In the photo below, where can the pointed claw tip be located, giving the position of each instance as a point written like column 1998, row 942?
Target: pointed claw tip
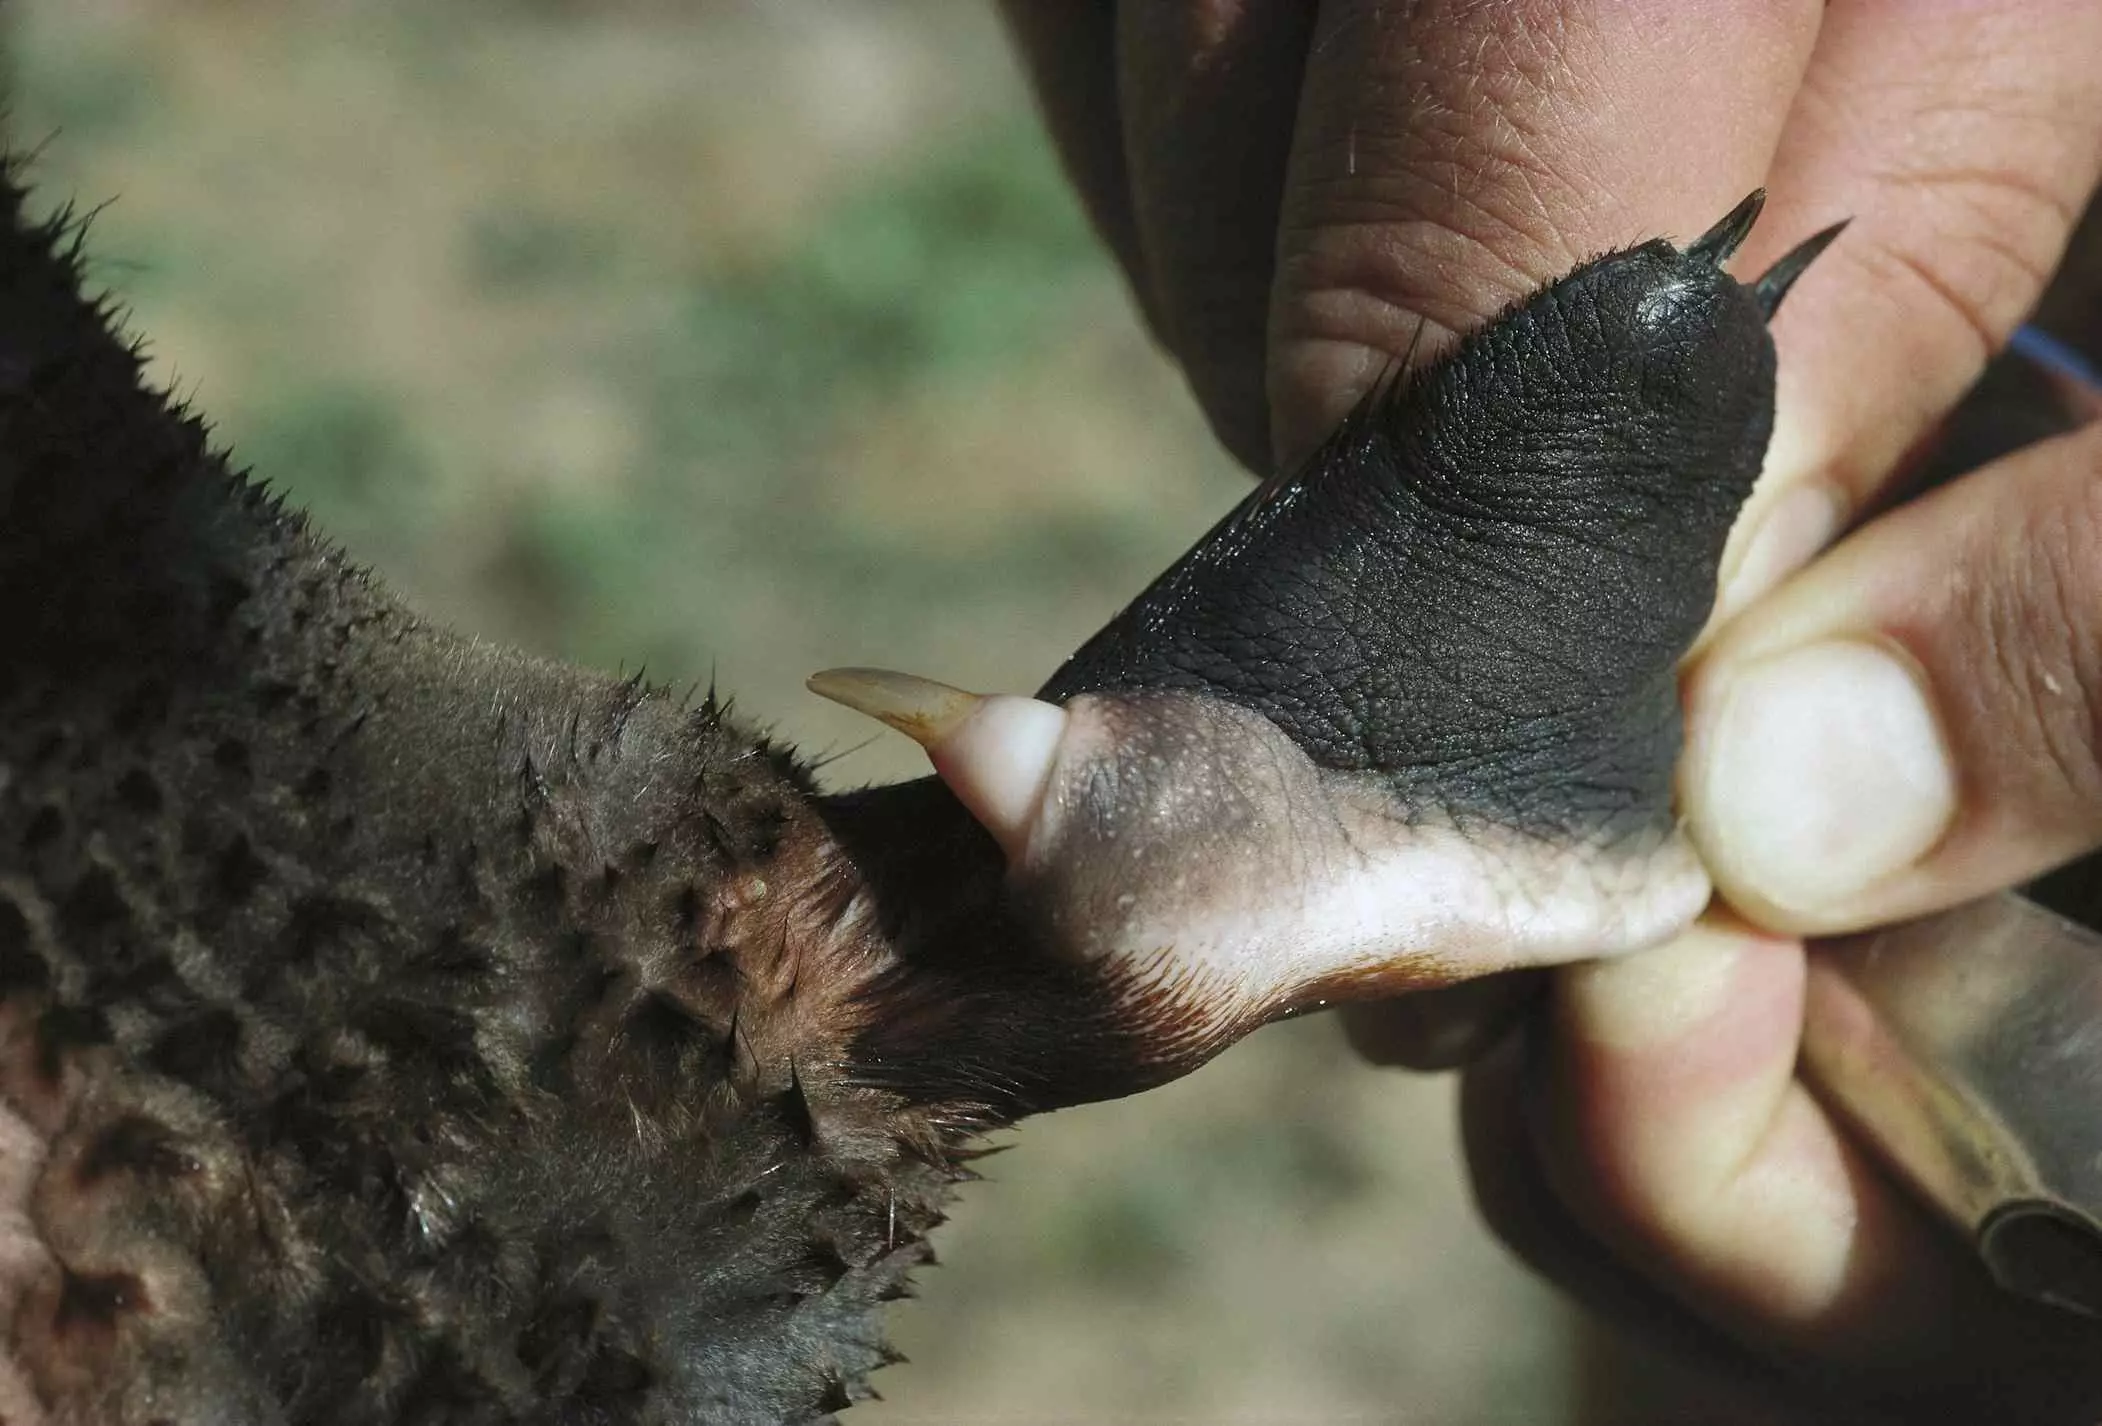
column 1773, row 284
column 921, row 708
column 1715, row 246
column 995, row 751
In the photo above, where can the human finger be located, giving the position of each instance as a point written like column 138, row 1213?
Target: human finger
column 1450, row 159
column 1672, row 1126
column 1964, row 140
column 1440, row 1028
column 1916, row 719
column 1068, row 50
column 1209, row 93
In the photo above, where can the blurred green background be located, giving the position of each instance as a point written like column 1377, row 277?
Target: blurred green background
column 743, row 340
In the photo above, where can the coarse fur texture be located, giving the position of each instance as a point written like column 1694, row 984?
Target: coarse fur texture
column 413, row 1031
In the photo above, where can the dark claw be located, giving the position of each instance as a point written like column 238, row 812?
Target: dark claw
column 1774, row 283
column 1715, row 246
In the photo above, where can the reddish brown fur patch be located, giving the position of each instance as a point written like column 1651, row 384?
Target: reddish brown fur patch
column 133, row 1144
column 23, row 1258
column 96, row 1301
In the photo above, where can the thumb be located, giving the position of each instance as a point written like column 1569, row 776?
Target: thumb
column 1916, row 719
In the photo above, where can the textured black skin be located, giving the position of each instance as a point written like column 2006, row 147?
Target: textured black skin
column 1479, row 590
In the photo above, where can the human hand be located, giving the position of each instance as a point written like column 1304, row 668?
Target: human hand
column 1734, row 1179
column 1302, row 198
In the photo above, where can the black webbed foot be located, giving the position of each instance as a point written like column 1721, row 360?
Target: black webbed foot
column 1408, row 714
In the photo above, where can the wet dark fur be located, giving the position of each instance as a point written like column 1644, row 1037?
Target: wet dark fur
column 422, row 1032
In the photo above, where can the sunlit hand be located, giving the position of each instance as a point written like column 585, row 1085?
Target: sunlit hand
column 1302, row 195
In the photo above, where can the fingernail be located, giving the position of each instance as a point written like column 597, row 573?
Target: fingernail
column 1819, row 772
column 1788, row 534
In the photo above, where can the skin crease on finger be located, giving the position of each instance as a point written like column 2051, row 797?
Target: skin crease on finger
column 1444, row 165
column 1964, row 138
column 1715, row 1101
column 1669, row 1121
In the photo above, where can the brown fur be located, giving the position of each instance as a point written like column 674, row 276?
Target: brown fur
column 415, row 1031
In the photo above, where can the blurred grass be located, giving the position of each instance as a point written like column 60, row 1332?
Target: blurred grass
column 742, row 340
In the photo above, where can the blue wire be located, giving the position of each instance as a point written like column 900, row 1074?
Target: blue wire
column 2039, row 346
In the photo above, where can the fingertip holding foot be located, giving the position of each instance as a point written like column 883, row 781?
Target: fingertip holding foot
column 1657, row 997
column 994, row 751
column 1673, row 1059
column 1815, row 775
column 1778, row 536
column 1670, row 1116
